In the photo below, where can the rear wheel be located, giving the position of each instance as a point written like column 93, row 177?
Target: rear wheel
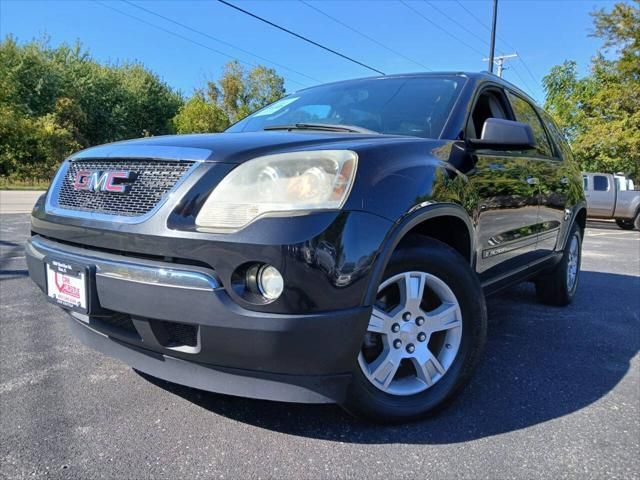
column 626, row 224
column 424, row 337
column 559, row 286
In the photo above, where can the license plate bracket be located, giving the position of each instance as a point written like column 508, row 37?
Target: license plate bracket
column 68, row 284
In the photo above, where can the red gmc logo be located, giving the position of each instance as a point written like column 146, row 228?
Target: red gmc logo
column 114, row 181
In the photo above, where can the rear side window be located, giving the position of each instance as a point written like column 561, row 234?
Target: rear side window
column 557, row 136
column 525, row 113
column 600, row 183
column 585, row 182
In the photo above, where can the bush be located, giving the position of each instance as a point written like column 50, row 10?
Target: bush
column 54, row 101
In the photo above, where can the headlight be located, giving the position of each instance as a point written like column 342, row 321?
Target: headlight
column 275, row 184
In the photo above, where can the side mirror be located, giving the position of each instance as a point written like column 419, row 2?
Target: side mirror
column 500, row 134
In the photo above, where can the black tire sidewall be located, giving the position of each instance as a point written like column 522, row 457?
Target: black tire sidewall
column 551, row 287
column 445, row 263
column 627, row 224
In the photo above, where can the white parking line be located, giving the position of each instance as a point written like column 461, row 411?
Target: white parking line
column 598, row 231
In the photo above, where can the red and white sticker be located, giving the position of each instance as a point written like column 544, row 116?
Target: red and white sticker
column 65, row 286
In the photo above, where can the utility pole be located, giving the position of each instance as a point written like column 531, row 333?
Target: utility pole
column 499, row 61
column 492, row 47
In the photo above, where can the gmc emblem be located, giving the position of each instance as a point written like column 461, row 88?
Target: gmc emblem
column 114, row 181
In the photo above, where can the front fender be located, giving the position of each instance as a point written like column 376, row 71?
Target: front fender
column 395, row 179
column 418, row 215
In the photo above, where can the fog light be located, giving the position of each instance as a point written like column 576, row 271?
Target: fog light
column 270, row 282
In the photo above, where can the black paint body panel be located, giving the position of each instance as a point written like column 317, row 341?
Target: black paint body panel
column 332, row 261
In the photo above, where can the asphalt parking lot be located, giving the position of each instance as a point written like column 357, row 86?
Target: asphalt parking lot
column 557, row 395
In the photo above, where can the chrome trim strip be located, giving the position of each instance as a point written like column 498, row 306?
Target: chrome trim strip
column 155, row 152
column 51, row 204
column 162, row 276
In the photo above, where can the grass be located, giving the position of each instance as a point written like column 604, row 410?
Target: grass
column 31, row 184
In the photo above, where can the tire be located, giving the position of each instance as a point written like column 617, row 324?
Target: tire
column 456, row 336
column 558, row 287
column 626, row 224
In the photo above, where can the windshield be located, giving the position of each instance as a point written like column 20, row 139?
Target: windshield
column 417, row 106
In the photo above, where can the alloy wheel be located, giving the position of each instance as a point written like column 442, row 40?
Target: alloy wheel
column 413, row 335
column 573, row 263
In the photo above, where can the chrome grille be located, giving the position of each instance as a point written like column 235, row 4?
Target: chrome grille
column 154, row 180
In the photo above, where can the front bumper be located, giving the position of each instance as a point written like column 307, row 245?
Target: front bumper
column 176, row 322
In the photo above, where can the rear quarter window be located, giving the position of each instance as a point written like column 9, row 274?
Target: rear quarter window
column 557, row 136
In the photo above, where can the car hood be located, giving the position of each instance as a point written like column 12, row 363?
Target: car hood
column 236, row 147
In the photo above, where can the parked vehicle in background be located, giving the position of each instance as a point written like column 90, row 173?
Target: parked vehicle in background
column 611, row 197
column 623, row 183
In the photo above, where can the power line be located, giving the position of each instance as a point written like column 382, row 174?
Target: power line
column 484, row 25
column 501, row 58
column 187, row 27
column 507, row 44
column 175, row 34
column 301, row 37
column 364, row 35
column 527, row 69
column 424, row 17
column 456, row 22
column 525, row 84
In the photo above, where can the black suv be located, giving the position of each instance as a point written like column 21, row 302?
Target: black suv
column 335, row 246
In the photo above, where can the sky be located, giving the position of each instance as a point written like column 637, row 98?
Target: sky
column 394, row 36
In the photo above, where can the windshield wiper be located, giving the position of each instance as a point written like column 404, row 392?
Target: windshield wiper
column 327, row 127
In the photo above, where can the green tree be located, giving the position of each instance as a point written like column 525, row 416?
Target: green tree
column 200, row 116
column 620, row 30
column 32, row 146
column 242, row 92
column 56, row 100
column 600, row 113
column 245, row 91
column 238, row 93
column 151, row 104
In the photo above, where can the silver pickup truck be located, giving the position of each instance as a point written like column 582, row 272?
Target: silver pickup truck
column 612, row 196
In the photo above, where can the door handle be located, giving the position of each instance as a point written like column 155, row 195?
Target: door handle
column 532, row 180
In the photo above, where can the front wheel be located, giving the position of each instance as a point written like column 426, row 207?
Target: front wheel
column 425, row 335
